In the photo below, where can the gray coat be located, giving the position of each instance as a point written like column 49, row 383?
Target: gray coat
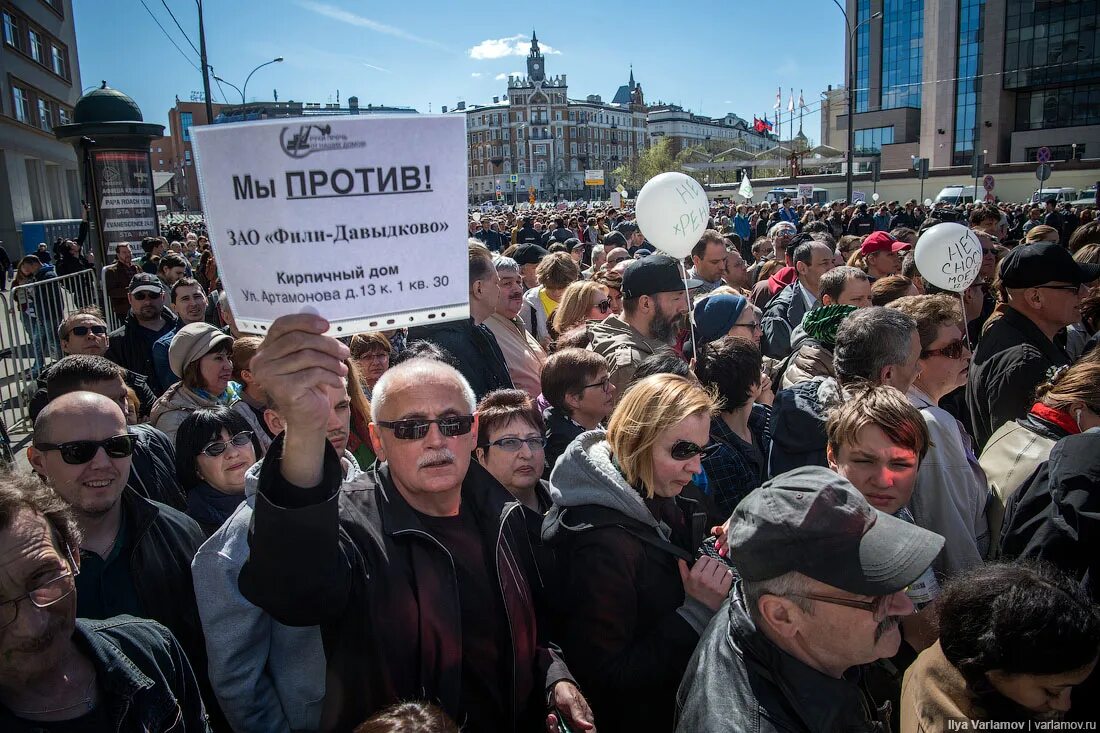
column 267, row 676
column 783, row 315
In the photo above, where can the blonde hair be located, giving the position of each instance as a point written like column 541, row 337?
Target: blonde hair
column 650, row 408
column 575, row 303
column 1038, row 232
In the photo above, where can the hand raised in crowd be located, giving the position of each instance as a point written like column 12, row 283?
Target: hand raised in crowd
column 568, row 701
column 296, row 362
column 708, row 581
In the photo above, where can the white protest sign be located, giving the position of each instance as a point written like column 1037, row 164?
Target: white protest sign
column 359, row 219
column 949, row 256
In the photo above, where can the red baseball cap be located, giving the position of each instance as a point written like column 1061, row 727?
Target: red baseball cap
column 881, row 242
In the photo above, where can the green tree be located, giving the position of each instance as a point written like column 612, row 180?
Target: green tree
column 656, row 159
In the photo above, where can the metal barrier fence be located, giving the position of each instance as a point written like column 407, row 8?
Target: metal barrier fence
column 28, row 338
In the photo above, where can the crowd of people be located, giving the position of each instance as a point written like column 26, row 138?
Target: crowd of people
column 784, row 484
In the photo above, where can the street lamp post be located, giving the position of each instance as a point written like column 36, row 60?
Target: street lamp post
column 851, row 93
column 241, row 90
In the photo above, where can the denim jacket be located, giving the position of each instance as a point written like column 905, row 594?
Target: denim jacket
column 144, row 678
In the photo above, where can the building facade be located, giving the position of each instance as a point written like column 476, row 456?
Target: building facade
column 684, row 129
column 39, row 85
column 548, row 140
column 950, row 79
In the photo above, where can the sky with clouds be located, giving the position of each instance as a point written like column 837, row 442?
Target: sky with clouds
column 712, row 58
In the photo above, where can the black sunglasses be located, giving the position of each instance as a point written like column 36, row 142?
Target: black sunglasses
column 216, row 447
column 416, row 429
column 685, row 450
column 85, row 330
column 77, row 452
column 953, row 350
column 604, row 305
column 146, row 295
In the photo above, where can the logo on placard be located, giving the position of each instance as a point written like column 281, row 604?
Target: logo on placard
column 303, row 140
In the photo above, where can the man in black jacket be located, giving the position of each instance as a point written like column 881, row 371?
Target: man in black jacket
column 1044, row 286
column 420, row 571
column 153, row 464
column 132, row 345
column 821, row 593
column 473, row 345
column 135, row 554
column 64, row 673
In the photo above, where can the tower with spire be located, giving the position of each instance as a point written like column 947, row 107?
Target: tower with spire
column 626, row 95
column 536, row 66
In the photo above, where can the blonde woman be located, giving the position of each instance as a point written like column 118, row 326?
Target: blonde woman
column 637, row 599
column 582, row 301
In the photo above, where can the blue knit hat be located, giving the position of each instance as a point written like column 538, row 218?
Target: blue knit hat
column 715, row 316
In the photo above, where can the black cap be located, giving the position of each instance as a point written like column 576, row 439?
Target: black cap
column 627, row 228
column 529, row 254
column 145, row 281
column 654, row 274
column 1030, row 265
column 814, row 522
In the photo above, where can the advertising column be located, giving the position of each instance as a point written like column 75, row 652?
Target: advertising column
column 123, row 181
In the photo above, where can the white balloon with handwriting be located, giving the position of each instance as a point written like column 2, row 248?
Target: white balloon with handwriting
column 949, row 256
column 672, row 211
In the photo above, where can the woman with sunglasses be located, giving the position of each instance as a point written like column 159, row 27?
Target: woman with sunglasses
column 215, row 447
column 201, row 355
column 582, row 301
column 637, row 599
column 952, row 490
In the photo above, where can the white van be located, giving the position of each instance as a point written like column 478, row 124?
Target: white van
column 956, row 195
column 1054, row 194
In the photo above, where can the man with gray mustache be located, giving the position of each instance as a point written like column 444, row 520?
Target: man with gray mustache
column 419, row 571
column 821, row 592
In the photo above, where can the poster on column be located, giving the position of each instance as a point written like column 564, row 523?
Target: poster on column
column 123, row 182
column 361, row 220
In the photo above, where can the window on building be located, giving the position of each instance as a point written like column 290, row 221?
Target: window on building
column 160, row 162
column 968, row 87
column 21, row 104
column 62, row 116
column 572, row 148
column 1049, row 43
column 871, row 139
column 37, row 51
column 187, row 157
column 11, row 30
column 45, row 114
column 863, row 56
column 186, row 119
column 1057, row 152
column 540, row 166
column 902, row 53
column 1063, row 107
column 58, row 61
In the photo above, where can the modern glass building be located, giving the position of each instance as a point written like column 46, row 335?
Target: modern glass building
column 949, row 79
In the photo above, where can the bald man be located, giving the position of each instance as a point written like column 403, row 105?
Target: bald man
column 413, row 570
column 135, row 555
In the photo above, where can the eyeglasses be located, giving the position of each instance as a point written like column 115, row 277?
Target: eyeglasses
column 85, row 330
column 751, row 325
column 953, row 350
column 146, row 295
column 77, row 452
column 1067, row 288
column 616, row 260
column 604, row 384
column 877, row 607
column 45, row 595
column 511, row 445
column 216, row 447
column 685, row 450
column 604, row 305
column 416, row 429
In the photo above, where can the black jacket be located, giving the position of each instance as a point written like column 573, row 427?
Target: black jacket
column 355, row 559
column 797, row 425
column 783, row 315
column 560, row 432
column 861, row 225
column 153, row 467
column 163, row 542
column 528, row 235
column 130, row 352
column 493, row 240
column 1011, row 360
column 145, row 682
column 475, row 350
column 1055, row 514
column 738, row 680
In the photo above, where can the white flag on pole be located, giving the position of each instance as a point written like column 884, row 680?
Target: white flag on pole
column 790, row 103
column 778, row 98
column 746, row 187
column 801, row 100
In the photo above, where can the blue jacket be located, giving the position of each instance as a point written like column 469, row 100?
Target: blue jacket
column 162, row 370
column 143, row 676
column 742, row 228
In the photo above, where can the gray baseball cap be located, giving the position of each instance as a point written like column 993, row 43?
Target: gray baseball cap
column 814, row 522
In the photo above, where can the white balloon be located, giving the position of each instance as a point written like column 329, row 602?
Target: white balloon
column 672, row 211
column 949, row 256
